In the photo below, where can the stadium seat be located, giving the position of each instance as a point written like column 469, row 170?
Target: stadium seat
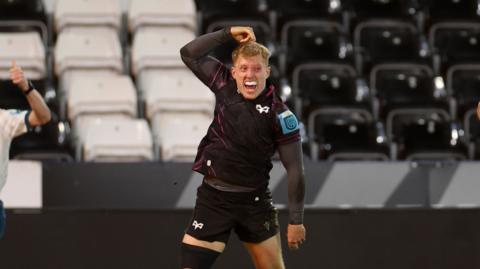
column 327, row 85
column 215, row 10
column 288, row 10
column 454, row 43
column 347, row 134
column 463, row 84
column 23, row 10
column 384, row 41
column 65, row 81
column 177, row 135
column 161, row 13
column 88, row 48
column 443, row 10
column 422, row 136
column 311, row 41
column 102, row 95
column 118, row 140
column 27, row 49
column 174, row 90
column 400, row 86
column 158, row 47
column 87, row 13
column 364, row 10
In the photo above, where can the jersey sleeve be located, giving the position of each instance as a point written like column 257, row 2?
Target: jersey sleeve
column 292, row 159
column 209, row 70
column 17, row 122
column 286, row 127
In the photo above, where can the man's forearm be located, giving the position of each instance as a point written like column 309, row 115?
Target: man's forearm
column 296, row 194
column 292, row 158
column 203, row 44
column 38, row 105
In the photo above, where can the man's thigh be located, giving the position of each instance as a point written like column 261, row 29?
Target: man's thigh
column 267, row 254
column 257, row 220
column 211, row 220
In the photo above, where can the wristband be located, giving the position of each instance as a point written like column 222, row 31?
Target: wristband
column 31, row 87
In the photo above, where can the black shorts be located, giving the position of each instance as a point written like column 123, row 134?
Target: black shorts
column 250, row 214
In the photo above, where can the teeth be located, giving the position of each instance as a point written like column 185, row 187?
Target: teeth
column 251, row 83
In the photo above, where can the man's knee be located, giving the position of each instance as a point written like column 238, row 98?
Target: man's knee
column 195, row 257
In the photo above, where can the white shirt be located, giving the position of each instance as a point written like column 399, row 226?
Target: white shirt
column 12, row 124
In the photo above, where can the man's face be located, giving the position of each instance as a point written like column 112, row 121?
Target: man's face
column 251, row 74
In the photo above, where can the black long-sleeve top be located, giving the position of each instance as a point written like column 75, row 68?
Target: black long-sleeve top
column 244, row 134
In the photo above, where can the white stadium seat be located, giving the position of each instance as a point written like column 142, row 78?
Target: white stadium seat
column 69, row 75
column 87, row 13
column 88, row 48
column 161, row 13
column 27, row 49
column 118, row 140
column 174, row 90
column 102, row 95
column 177, row 135
column 81, row 124
column 158, row 47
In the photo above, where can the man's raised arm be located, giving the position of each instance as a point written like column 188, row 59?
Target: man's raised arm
column 194, row 53
column 40, row 113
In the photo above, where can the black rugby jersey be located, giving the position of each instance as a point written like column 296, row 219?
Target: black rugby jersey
column 244, row 134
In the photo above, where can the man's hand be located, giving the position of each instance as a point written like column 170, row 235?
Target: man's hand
column 17, row 76
column 242, row 34
column 478, row 110
column 295, row 235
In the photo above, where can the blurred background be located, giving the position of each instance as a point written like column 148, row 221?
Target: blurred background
column 385, row 90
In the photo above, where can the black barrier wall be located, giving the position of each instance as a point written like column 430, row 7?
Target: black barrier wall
column 336, row 239
column 329, row 185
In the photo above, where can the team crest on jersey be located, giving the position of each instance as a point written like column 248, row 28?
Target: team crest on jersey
column 288, row 121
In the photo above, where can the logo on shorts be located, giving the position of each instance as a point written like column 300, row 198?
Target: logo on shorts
column 197, row 225
column 262, row 109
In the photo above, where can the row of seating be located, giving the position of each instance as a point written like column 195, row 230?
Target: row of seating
column 94, row 97
column 346, row 134
column 339, row 88
column 168, row 93
column 386, row 38
column 277, row 13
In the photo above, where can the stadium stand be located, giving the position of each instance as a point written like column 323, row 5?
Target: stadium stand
column 408, row 65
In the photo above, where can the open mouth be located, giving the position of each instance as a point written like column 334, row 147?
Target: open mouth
column 250, row 85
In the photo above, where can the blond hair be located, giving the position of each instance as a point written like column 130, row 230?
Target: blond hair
column 250, row 49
